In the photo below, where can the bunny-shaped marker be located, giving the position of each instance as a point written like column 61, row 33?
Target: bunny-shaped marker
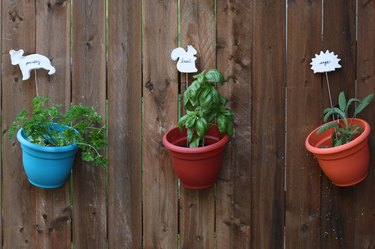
column 30, row 62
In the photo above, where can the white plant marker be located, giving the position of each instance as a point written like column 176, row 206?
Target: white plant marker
column 30, row 62
column 324, row 63
column 186, row 62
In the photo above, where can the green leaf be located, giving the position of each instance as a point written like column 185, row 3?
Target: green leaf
column 186, row 96
column 190, row 121
column 190, row 133
column 222, row 123
column 326, row 127
column 227, row 112
column 230, row 129
column 214, row 76
column 342, row 101
column 350, row 101
column 194, row 142
column 364, row 103
column 182, row 121
column 326, row 110
column 338, row 142
column 223, row 100
column 328, row 114
column 340, row 113
column 201, row 126
column 344, row 132
column 205, row 98
column 200, row 77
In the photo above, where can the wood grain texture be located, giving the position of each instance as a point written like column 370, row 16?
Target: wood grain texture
column 268, row 111
column 303, row 115
column 18, row 31
column 89, row 88
column 2, row 130
column 53, row 212
column 337, row 205
column 160, row 91
column 365, row 205
column 124, row 121
column 197, row 210
column 233, row 193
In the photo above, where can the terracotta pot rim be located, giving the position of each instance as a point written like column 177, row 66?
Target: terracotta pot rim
column 219, row 144
column 361, row 138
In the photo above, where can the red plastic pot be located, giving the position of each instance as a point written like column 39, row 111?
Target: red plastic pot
column 344, row 165
column 197, row 168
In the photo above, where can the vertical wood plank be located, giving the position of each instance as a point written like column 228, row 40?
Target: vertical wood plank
column 337, row 205
column 18, row 31
column 160, row 91
column 124, row 121
column 2, row 130
column 303, row 115
column 365, row 220
column 89, row 88
column 233, row 198
column 53, row 212
column 198, row 28
column 268, row 124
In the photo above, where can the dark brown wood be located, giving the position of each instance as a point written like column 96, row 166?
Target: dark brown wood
column 233, row 192
column 18, row 31
column 268, row 111
column 89, row 88
column 1, row 137
column 53, row 212
column 303, row 115
column 365, row 205
column 124, row 121
column 337, row 205
column 197, row 212
column 160, row 91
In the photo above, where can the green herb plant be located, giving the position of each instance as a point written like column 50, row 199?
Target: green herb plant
column 344, row 130
column 204, row 106
column 81, row 126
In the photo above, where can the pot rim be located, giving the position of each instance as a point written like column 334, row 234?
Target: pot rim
column 324, row 151
column 23, row 141
column 219, row 144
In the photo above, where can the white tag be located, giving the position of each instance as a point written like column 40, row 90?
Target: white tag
column 325, row 62
column 186, row 62
column 30, row 62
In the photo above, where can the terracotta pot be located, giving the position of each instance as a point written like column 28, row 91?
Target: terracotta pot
column 344, row 165
column 197, row 168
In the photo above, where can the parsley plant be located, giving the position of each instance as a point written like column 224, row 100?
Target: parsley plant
column 81, row 125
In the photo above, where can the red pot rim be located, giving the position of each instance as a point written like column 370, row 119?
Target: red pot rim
column 170, row 146
column 366, row 132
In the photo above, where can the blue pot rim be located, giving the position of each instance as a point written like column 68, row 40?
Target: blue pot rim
column 23, row 141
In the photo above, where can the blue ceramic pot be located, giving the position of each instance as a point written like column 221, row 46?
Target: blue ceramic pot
column 46, row 167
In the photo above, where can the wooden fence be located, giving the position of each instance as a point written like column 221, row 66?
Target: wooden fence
column 271, row 193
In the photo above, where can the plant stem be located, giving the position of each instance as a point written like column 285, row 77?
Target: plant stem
column 36, row 84
column 330, row 101
column 329, row 93
column 92, row 147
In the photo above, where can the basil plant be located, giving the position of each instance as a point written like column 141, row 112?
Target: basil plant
column 205, row 106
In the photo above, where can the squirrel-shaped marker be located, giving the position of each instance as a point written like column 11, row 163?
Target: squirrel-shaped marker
column 186, row 62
